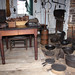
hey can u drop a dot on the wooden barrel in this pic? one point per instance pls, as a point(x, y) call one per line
point(44, 36)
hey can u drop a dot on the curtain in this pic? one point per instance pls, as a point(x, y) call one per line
point(29, 6)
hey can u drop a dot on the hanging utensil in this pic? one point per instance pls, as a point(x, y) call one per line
point(35, 1)
point(48, 18)
point(49, 4)
point(45, 19)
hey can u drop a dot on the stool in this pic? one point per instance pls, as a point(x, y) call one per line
point(18, 40)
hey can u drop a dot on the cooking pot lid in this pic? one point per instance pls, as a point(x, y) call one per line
point(58, 67)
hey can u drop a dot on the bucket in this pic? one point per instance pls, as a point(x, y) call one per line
point(44, 36)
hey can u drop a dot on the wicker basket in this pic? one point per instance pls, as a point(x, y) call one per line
point(21, 24)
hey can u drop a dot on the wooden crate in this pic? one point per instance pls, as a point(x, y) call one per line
point(11, 24)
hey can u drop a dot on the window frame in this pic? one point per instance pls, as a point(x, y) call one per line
point(28, 7)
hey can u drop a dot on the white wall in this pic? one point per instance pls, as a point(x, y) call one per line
point(2, 4)
point(40, 13)
point(51, 22)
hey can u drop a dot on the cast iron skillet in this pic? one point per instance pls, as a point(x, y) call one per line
point(68, 50)
point(49, 61)
point(50, 47)
point(58, 67)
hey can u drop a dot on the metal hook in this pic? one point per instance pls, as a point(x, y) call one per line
point(49, 3)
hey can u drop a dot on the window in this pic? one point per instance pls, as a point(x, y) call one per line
point(25, 7)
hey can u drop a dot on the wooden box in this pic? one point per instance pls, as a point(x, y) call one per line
point(11, 24)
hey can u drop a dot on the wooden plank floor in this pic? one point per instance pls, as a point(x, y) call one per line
point(20, 61)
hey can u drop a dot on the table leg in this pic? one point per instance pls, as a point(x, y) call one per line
point(30, 40)
point(6, 42)
point(2, 51)
point(35, 47)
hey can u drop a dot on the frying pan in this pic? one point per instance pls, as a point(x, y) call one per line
point(57, 68)
point(48, 61)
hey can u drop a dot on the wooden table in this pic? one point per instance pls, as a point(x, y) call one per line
point(18, 31)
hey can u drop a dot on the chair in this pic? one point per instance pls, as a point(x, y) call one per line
point(18, 40)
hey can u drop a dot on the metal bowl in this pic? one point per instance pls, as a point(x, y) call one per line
point(50, 47)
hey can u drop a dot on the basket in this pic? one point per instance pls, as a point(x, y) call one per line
point(21, 24)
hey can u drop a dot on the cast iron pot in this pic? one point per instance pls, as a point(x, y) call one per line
point(70, 60)
point(68, 50)
point(54, 39)
point(64, 42)
point(50, 47)
point(73, 46)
